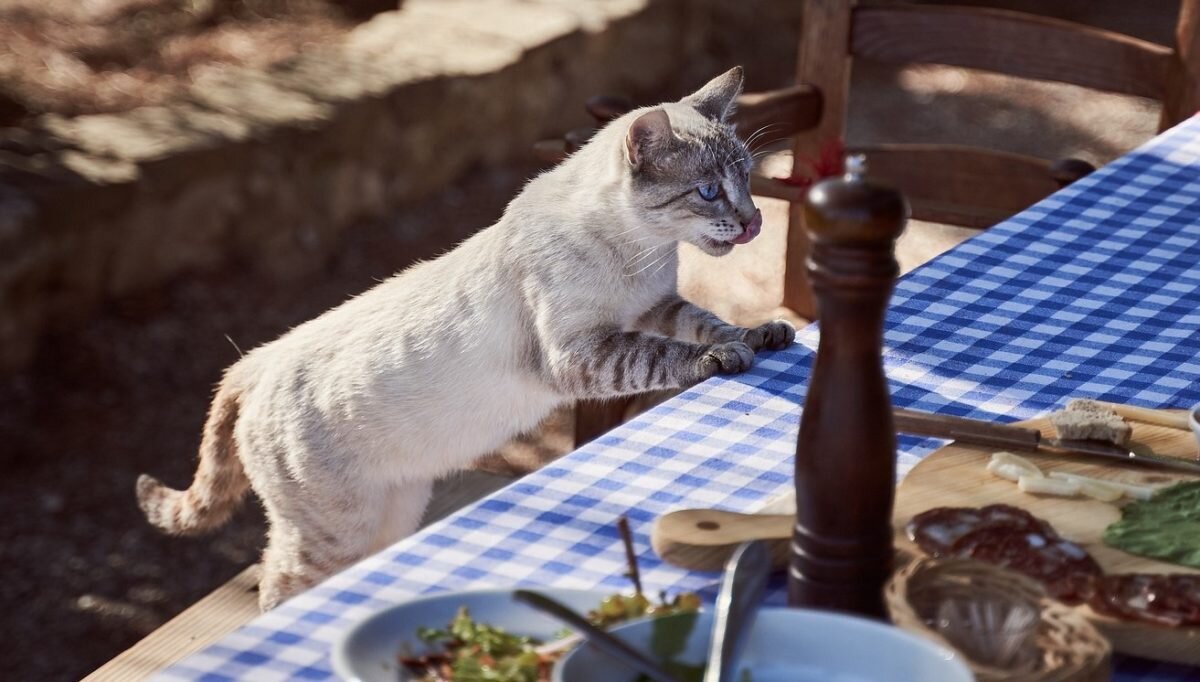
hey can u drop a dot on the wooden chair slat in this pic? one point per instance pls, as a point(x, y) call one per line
point(988, 181)
point(1013, 43)
point(1182, 98)
point(964, 186)
point(824, 62)
point(778, 113)
point(763, 186)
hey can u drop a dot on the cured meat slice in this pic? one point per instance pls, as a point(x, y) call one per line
point(1013, 538)
point(937, 530)
point(1171, 600)
point(1063, 567)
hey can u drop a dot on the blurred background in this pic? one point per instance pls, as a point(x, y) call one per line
point(181, 179)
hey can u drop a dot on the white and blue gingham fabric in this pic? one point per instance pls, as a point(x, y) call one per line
point(1094, 291)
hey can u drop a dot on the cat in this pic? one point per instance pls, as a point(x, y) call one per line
point(342, 424)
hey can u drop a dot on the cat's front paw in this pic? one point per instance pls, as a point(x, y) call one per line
point(725, 358)
point(772, 336)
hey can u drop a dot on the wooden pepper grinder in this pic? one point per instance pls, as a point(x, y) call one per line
point(841, 553)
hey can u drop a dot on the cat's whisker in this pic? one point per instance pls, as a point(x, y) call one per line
point(643, 255)
point(735, 161)
point(659, 268)
point(764, 144)
point(632, 229)
point(651, 264)
point(764, 153)
point(751, 145)
point(761, 131)
point(638, 240)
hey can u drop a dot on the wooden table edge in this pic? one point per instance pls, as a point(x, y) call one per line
point(222, 611)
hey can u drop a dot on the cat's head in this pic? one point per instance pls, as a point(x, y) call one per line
point(690, 174)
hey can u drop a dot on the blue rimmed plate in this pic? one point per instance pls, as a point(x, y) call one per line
point(369, 650)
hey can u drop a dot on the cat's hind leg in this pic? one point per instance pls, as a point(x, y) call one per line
point(312, 537)
point(403, 507)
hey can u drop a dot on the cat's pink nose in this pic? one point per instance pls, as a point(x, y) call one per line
point(750, 229)
point(755, 223)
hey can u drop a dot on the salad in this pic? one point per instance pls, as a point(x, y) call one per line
point(466, 650)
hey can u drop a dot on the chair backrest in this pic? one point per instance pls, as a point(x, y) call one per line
point(961, 185)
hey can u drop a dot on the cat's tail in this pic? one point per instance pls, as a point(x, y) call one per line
point(219, 483)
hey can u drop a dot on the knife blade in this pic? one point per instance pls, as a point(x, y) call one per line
point(991, 434)
point(1097, 449)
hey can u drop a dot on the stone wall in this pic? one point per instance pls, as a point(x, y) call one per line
point(266, 169)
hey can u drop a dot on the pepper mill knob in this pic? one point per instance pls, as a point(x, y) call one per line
point(841, 552)
point(856, 166)
point(854, 209)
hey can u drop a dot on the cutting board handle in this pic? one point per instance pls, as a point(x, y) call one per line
point(704, 539)
point(1175, 419)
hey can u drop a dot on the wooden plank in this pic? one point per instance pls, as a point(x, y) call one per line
point(763, 186)
point(960, 215)
point(961, 185)
point(1182, 99)
point(778, 113)
point(950, 184)
point(823, 62)
point(1014, 43)
point(224, 610)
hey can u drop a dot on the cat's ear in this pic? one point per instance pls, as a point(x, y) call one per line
point(716, 99)
point(649, 132)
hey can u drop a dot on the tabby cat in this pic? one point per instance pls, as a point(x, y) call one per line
point(342, 425)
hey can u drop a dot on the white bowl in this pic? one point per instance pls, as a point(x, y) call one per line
point(784, 645)
point(368, 651)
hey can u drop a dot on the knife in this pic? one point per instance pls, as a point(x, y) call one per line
point(990, 434)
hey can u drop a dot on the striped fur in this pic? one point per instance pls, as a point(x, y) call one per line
point(217, 487)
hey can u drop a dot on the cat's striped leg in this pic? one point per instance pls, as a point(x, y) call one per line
point(403, 508)
point(675, 317)
point(314, 533)
point(605, 362)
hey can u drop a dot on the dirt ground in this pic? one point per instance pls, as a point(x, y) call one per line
point(101, 56)
point(86, 577)
point(127, 394)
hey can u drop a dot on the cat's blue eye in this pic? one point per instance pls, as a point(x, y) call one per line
point(708, 192)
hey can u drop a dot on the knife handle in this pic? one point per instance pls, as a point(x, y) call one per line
point(974, 431)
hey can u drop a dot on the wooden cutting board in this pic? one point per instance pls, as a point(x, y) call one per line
point(955, 476)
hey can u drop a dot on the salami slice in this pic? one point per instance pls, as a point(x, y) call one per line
point(1063, 567)
point(1013, 538)
point(1170, 600)
point(937, 530)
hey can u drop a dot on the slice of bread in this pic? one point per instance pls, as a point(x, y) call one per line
point(1089, 420)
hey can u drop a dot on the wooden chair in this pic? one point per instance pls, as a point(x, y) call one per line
point(962, 185)
point(956, 184)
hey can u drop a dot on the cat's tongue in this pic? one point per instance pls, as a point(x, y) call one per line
point(750, 231)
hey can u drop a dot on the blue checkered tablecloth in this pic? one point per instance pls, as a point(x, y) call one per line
point(1094, 291)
